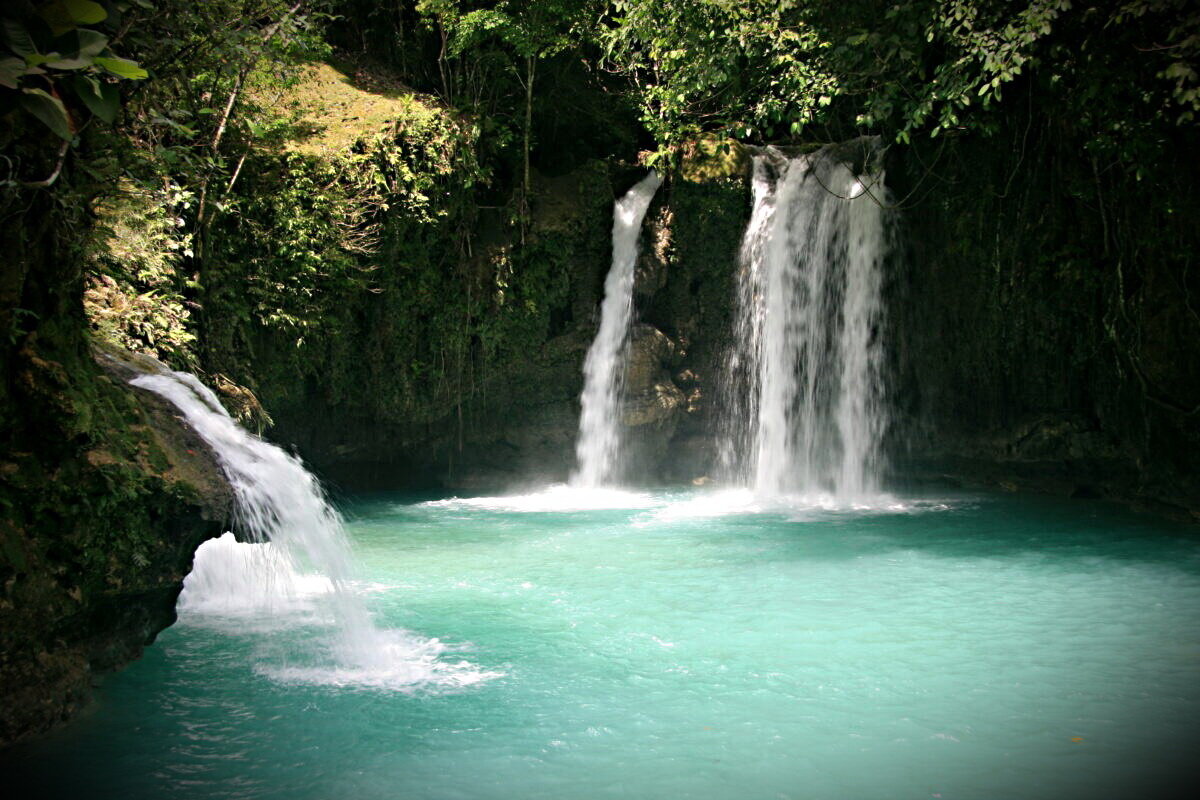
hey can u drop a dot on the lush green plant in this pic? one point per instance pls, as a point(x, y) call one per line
point(769, 71)
point(751, 70)
point(58, 67)
point(522, 32)
point(135, 294)
point(63, 54)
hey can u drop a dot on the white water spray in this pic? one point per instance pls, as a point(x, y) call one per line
point(597, 449)
point(280, 506)
point(805, 375)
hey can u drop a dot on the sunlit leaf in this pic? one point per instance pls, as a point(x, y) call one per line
point(123, 68)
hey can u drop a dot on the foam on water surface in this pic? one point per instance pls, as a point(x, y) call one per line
point(680, 504)
point(556, 498)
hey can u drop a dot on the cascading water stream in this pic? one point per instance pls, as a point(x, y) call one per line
point(804, 389)
point(598, 446)
point(280, 506)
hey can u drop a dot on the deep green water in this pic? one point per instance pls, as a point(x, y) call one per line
point(956, 647)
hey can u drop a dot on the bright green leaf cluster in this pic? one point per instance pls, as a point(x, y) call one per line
point(64, 69)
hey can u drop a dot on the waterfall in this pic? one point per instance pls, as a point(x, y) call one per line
point(597, 449)
point(804, 377)
point(280, 506)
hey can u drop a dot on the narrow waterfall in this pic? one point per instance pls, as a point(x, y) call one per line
point(281, 507)
point(804, 388)
point(598, 445)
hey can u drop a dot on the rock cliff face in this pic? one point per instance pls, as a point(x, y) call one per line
point(1042, 327)
point(98, 527)
point(683, 286)
point(513, 418)
point(653, 404)
point(1044, 320)
point(104, 495)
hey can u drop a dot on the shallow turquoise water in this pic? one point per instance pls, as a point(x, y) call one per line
point(961, 647)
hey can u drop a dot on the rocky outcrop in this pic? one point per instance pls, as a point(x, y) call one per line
point(651, 398)
point(690, 270)
point(98, 527)
point(510, 418)
point(653, 404)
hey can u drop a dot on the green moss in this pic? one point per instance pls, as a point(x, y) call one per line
point(710, 158)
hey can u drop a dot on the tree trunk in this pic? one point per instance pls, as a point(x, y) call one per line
point(530, 66)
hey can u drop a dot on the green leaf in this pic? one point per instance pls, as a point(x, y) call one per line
point(123, 68)
point(85, 12)
point(70, 63)
point(11, 71)
point(19, 39)
point(101, 99)
point(66, 15)
point(50, 110)
point(91, 43)
point(86, 84)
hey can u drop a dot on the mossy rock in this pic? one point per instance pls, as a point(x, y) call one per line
point(99, 519)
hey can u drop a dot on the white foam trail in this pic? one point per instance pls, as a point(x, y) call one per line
point(408, 664)
point(597, 448)
point(281, 503)
point(719, 503)
point(797, 505)
point(681, 506)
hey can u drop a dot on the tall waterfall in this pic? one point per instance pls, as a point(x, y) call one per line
point(597, 448)
point(281, 507)
point(804, 401)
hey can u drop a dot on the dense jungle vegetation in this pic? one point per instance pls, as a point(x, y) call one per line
point(338, 192)
point(395, 214)
point(160, 159)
